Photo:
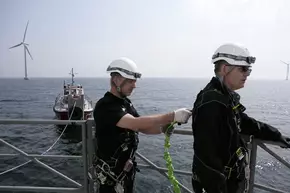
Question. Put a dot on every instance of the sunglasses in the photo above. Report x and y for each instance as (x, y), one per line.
(245, 69)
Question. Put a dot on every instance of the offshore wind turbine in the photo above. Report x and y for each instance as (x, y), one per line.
(25, 47)
(287, 73)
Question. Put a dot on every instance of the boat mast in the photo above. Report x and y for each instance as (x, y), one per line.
(72, 76)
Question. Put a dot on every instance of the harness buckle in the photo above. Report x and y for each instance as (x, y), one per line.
(128, 165)
(195, 177)
(103, 173)
(101, 177)
(240, 153)
(228, 172)
(119, 188)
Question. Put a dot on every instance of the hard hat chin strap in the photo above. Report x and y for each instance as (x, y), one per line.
(119, 88)
(221, 78)
(224, 86)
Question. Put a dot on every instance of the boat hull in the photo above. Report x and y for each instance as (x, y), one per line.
(64, 115)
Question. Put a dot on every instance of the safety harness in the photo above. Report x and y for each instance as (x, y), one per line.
(108, 172)
(115, 169)
(239, 161)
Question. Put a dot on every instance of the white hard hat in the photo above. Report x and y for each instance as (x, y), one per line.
(233, 54)
(125, 67)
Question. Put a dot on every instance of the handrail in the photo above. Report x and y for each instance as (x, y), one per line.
(252, 145)
(41, 121)
(88, 151)
(79, 187)
(41, 156)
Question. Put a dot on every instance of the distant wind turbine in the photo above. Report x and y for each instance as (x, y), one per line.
(25, 46)
(287, 73)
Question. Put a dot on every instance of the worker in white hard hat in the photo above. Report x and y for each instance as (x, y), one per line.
(117, 128)
(220, 161)
(124, 75)
(233, 65)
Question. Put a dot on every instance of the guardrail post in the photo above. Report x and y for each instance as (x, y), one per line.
(84, 155)
(253, 157)
(90, 146)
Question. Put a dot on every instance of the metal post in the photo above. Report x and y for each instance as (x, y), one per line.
(90, 141)
(90, 146)
(252, 165)
(84, 151)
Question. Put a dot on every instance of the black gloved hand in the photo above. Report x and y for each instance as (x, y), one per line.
(285, 141)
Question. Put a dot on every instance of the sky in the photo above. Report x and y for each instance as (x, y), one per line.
(166, 38)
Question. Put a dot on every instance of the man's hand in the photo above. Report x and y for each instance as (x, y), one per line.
(168, 129)
(182, 115)
(286, 142)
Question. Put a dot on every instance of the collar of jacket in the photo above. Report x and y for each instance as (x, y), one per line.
(220, 86)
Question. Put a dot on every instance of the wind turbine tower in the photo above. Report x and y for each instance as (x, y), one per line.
(25, 47)
(287, 73)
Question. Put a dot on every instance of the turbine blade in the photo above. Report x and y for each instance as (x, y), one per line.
(284, 62)
(28, 52)
(25, 31)
(16, 46)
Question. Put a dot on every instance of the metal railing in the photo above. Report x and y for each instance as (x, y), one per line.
(253, 147)
(88, 152)
(83, 188)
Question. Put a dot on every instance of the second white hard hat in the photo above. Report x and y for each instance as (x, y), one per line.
(234, 55)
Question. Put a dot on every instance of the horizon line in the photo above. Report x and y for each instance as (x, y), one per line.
(150, 77)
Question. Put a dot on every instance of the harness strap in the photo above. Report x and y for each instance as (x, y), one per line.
(104, 174)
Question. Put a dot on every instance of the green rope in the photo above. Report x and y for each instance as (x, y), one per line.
(168, 159)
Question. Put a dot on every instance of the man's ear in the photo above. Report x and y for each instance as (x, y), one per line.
(118, 80)
(115, 80)
(224, 69)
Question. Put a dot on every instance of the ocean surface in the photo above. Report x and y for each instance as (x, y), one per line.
(266, 100)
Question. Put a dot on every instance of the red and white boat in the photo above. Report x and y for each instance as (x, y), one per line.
(72, 103)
